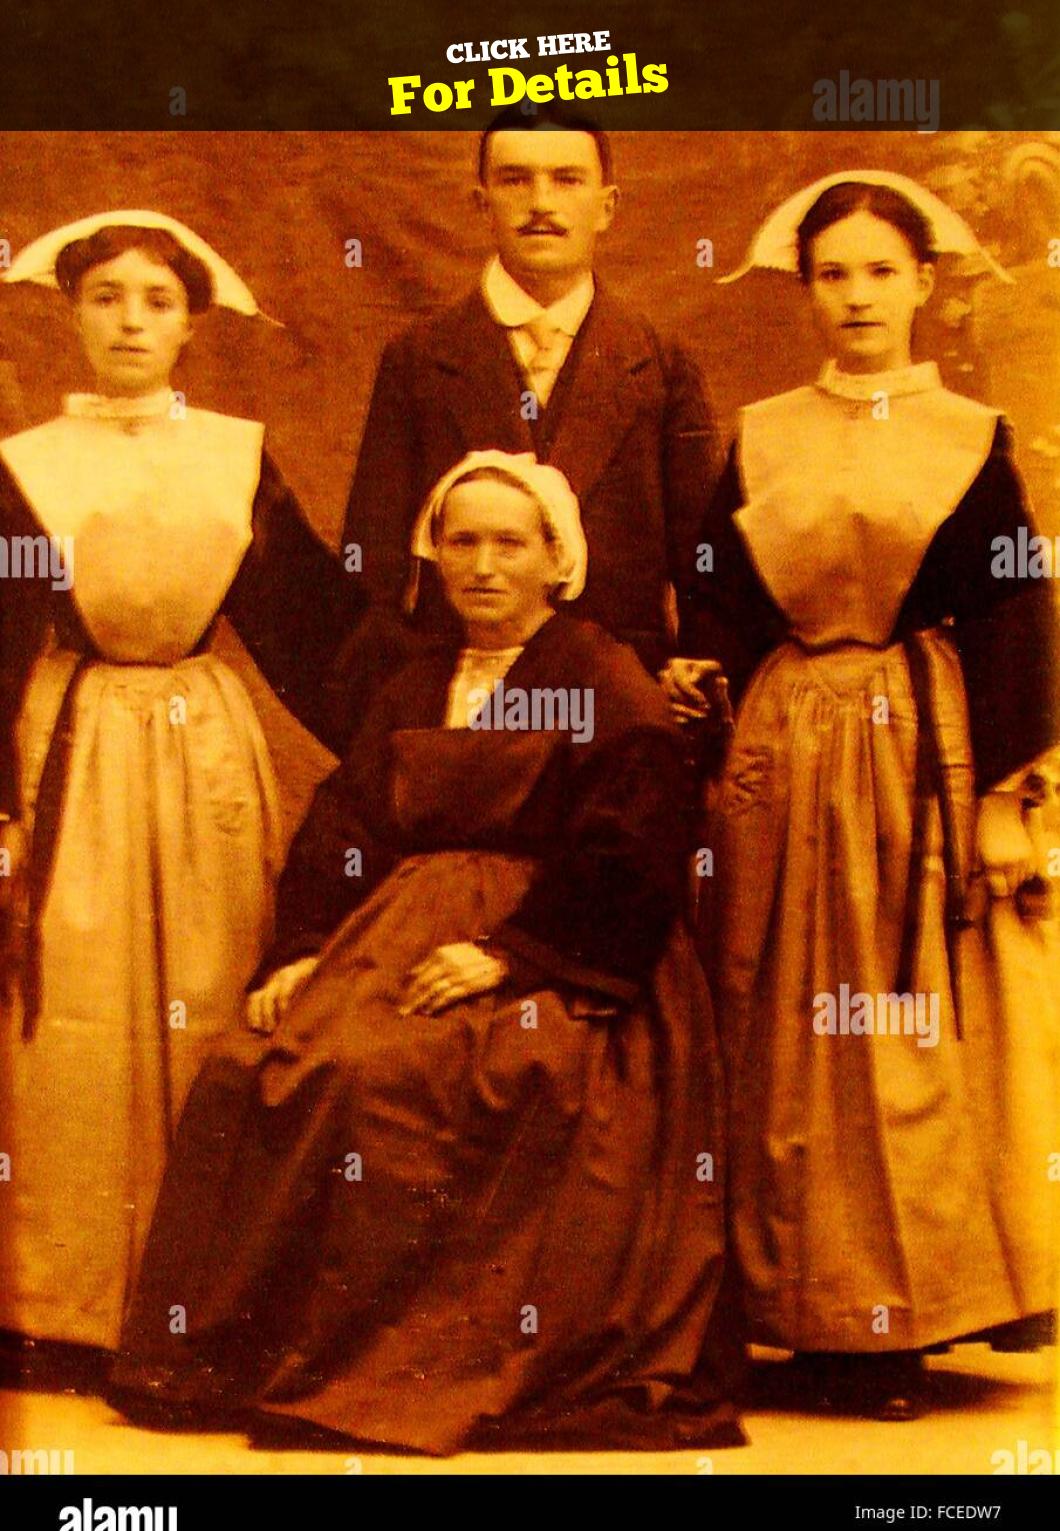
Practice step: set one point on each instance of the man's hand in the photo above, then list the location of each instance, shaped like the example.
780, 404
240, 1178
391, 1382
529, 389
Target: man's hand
266, 1006
681, 681
1006, 851
448, 974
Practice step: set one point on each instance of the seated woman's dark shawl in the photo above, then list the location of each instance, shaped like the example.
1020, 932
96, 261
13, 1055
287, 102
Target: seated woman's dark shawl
502, 1223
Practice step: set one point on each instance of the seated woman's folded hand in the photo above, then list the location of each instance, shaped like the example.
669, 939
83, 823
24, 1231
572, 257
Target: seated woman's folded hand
266, 1006
448, 974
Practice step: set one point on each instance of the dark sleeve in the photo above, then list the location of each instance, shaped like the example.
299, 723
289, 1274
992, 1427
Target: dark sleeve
11, 682
296, 608
1009, 660
342, 850
599, 914
384, 496
1006, 624
691, 459
10, 690
725, 612
25, 613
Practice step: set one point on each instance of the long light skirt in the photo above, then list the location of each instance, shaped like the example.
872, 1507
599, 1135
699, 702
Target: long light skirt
889, 1191
156, 917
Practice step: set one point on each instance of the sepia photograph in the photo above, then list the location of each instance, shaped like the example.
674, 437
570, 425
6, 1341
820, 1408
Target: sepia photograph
530, 800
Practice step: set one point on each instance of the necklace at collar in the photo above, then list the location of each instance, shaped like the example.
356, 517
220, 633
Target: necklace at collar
921, 377
133, 414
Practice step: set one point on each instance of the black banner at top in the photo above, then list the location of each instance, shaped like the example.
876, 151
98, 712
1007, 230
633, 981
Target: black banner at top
340, 64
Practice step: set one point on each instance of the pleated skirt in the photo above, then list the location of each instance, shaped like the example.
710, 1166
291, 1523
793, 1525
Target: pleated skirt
156, 915
893, 1173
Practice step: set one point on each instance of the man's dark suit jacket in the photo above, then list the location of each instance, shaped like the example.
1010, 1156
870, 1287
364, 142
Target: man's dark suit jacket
626, 422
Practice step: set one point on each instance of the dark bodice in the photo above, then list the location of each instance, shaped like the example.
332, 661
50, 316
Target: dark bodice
607, 819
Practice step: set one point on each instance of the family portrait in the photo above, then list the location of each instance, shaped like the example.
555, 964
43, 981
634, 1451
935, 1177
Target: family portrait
530, 796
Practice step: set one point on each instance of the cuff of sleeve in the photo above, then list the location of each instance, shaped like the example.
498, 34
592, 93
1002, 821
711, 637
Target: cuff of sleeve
1044, 768
279, 957
552, 964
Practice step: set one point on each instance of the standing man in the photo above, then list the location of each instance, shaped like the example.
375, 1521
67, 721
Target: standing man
543, 358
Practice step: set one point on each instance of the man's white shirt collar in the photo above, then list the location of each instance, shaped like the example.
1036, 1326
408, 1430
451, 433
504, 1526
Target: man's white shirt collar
513, 307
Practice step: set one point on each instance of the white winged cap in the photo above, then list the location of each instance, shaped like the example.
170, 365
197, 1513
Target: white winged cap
36, 263
775, 245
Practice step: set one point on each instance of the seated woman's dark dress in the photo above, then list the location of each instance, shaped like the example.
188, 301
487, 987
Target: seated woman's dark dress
503, 1221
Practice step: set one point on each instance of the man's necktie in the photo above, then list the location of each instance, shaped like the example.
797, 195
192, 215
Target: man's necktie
545, 364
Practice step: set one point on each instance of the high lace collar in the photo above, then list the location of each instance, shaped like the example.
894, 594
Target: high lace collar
99, 406
921, 377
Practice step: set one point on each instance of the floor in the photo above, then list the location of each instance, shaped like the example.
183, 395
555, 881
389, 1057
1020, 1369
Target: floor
985, 1406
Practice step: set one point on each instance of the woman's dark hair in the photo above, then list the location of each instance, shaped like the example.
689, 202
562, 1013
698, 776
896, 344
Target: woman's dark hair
106, 244
847, 197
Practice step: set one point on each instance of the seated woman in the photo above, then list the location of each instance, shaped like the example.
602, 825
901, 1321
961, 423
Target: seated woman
469, 1184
